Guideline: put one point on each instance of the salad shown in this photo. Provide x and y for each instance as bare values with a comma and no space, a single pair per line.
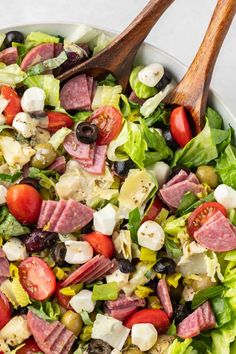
117,222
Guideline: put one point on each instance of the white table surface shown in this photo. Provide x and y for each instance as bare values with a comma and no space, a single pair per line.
179,32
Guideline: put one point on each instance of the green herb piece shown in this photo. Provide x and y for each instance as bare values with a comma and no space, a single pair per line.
134,224
206,294
187,200
10,178
221,310
172,248
46,310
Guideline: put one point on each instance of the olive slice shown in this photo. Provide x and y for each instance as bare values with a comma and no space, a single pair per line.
87,133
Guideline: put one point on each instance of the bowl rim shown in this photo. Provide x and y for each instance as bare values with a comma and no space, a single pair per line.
114,32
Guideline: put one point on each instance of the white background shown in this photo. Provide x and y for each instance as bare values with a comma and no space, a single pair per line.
179,32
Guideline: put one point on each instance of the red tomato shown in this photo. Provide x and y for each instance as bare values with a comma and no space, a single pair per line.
13,106
37,278
109,122
29,347
179,126
5,310
202,214
63,300
24,202
158,318
57,120
154,210
101,244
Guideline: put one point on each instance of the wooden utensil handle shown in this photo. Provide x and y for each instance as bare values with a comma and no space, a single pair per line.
202,66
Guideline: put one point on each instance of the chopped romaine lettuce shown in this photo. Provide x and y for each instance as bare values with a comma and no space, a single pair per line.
108,291
2,38
40,37
107,96
109,80
83,34
221,310
141,90
214,118
160,115
57,138
134,223
178,347
81,116
122,243
10,178
172,247
11,74
101,42
48,64
47,310
44,177
203,295
11,227
173,227
49,84
226,166
187,200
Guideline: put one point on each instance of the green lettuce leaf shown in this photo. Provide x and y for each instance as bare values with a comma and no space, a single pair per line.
85,318
40,37
10,178
2,38
214,118
11,74
226,166
141,90
108,291
184,347
47,178
57,138
48,64
221,310
203,295
46,310
134,224
173,227
187,200
208,198
107,96
11,227
109,80
101,42
49,84
160,115
81,116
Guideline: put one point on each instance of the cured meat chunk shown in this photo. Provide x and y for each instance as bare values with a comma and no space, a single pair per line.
98,166
37,55
9,55
217,234
56,214
4,267
59,165
75,94
200,320
46,213
164,296
77,149
75,216
123,307
52,338
180,177
90,86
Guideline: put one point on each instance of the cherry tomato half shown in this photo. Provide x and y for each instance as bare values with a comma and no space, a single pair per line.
109,122
179,126
29,347
101,244
5,310
58,120
63,300
158,318
154,210
202,214
37,278
13,106
24,202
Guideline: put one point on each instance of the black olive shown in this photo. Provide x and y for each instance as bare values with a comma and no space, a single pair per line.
31,182
58,252
170,140
181,311
165,266
125,266
98,346
87,229
165,80
87,133
152,284
21,90
38,240
38,114
13,36
20,311
122,168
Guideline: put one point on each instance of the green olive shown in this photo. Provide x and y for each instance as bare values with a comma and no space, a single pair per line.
44,157
133,350
72,321
207,174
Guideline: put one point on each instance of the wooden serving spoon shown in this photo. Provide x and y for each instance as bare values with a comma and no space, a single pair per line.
118,57
192,91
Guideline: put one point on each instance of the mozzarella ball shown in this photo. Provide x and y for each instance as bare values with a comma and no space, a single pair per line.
3,194
144,336
151,74
25,125
78,252
33,100
151,235
226,196
15,250
161,171
105,220
83,301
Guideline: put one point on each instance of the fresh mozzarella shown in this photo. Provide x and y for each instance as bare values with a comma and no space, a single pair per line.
105,220
226,196
78,252
151,74
144,336
83,301
25,125
15,249
33,100
161,171
110,331
120,278
151,235
3,194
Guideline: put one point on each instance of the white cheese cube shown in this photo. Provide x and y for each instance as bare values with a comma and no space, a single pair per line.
105,220
78,252
83,301
151,235
144,336
15,250
110,331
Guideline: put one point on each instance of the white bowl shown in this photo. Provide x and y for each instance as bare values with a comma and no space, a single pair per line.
146,55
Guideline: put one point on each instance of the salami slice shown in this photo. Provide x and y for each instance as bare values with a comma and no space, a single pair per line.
77,149
164,296
9,55
75,94
121,314
99,271
56,214
98,166
46,212
200,320
180,177
217,234
37,55
54,335
90,86
124,306
42,210
59,165
74,217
